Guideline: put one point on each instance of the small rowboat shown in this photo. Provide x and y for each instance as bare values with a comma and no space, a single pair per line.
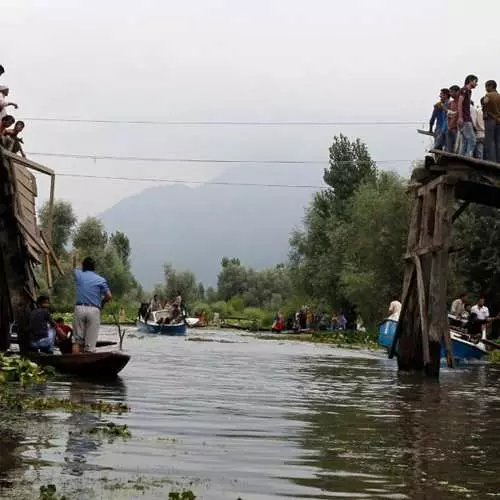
154,325
462,345
89,364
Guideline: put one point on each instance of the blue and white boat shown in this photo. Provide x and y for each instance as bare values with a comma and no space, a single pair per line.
155,324
463,348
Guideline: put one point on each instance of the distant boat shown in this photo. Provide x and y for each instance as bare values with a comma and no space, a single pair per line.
97,365
154,326
462,345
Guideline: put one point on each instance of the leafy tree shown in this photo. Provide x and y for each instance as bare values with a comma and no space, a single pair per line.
232,279
63,222
179,281
372,270
121,243
90,237
211,295
201,292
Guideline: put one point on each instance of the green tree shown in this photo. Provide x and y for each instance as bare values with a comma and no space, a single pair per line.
90,238
232,280
372,269
179,281
63,222
121,244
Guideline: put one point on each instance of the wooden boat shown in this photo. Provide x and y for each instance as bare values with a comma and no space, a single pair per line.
92,364
154,325
463,346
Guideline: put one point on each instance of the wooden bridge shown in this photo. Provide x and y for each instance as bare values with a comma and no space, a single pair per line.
442,190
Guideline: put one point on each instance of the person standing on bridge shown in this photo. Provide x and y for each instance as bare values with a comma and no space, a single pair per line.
92,292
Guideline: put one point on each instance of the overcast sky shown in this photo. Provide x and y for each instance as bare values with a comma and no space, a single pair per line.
213,60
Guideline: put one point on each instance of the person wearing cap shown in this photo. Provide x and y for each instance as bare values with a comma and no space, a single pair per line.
4,92
92,292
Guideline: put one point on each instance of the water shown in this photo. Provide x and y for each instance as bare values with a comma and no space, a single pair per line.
240,417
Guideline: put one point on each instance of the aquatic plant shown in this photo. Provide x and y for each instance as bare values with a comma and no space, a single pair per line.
17,369
111,430
494,357
183,495
25,402
49,492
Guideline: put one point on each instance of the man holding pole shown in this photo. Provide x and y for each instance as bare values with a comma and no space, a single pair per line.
92,292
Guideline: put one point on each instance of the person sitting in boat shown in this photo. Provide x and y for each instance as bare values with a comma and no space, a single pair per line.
458,306
42,327
279,323
155,304
63,336
394,309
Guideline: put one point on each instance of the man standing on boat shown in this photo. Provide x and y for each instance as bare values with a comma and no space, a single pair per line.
92,292
482,315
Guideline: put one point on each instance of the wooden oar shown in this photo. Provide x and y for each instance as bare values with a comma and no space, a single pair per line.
491,344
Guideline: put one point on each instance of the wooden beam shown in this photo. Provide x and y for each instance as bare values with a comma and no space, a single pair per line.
460,210
422,303
51,206
52,254
467,160
28,163
48,270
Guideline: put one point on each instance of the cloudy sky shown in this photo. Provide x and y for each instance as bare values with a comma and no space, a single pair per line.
230,60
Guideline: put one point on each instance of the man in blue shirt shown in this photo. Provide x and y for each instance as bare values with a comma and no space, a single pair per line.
92,292
439,116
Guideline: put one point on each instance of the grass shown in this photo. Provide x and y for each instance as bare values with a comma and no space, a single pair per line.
111,430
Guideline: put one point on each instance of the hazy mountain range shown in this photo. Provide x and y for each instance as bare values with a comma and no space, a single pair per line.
194,227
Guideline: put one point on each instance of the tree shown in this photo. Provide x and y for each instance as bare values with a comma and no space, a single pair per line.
179,281
372,268
90,237
201,292
350,165
63,222
121,243
232,280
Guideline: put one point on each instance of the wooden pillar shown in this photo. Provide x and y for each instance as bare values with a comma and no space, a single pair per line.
438,285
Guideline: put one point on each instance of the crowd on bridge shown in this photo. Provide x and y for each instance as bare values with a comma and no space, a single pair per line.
10,129
462,127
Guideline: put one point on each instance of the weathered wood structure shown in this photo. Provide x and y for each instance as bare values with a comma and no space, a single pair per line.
22,244
442,190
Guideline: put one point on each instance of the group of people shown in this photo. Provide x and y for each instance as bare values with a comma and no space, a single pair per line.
10,129
92,292
464,128
305,319
173,310
475,317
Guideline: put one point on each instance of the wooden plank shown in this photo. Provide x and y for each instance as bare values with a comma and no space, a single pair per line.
48,270
51,206
28,163
422,303
460,210
438,327
467,160
29,235
52,254
442,179
425,132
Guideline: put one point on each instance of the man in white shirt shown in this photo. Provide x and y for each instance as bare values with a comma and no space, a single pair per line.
482,314
394,309
458,306
478,124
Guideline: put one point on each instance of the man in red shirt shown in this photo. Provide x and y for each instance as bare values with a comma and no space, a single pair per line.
451,135
465,118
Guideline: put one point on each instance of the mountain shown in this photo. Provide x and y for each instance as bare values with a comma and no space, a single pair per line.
194,227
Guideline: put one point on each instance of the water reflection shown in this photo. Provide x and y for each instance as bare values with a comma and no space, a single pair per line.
81,445
372,433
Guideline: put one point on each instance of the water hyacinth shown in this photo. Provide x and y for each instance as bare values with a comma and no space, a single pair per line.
17,369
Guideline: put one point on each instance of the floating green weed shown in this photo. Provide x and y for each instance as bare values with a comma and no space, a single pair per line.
494,357
111,430
49,492
17,369
24,402
183,495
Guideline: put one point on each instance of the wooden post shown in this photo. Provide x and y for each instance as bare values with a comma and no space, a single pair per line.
51,207
438,286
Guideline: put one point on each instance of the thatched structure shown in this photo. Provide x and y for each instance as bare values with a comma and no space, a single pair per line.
446,180
22,243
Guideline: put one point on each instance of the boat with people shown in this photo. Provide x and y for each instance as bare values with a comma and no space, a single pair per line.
464,345
159,322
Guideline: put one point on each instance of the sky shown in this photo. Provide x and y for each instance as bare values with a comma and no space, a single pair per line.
230,60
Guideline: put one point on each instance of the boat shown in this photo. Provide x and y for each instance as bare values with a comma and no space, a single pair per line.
100,365
154,325
464,346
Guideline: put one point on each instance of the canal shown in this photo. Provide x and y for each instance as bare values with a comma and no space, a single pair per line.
229,416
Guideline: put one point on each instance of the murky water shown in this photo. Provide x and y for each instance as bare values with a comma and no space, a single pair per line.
238,417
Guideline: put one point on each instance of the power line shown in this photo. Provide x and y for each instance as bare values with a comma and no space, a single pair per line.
183,123
195,160
189,181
